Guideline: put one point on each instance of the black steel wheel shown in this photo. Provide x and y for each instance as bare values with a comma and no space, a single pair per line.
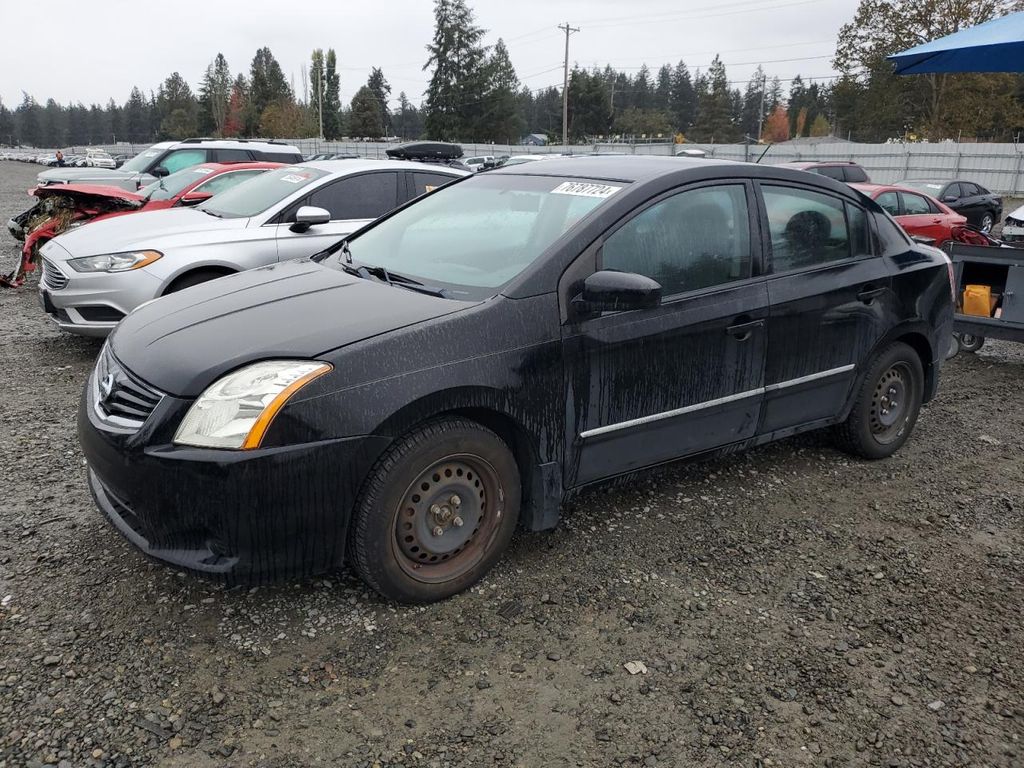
971,343
436,512
886,404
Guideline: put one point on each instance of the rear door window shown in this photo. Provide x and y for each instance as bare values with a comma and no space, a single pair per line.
368,196
180,159
807,228
915,205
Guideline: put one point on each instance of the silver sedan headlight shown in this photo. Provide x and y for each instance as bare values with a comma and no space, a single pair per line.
114,262
236,411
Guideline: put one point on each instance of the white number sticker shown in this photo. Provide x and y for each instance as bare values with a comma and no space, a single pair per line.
585,189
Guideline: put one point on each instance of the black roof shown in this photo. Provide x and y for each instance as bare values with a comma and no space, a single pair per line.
611,167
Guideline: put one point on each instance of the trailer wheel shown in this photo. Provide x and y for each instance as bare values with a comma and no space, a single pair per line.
971,343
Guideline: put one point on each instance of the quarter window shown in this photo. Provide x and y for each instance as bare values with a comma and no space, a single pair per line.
806,228
361,197
427,182
692,240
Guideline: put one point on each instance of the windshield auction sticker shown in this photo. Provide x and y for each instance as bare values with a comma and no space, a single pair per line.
584,189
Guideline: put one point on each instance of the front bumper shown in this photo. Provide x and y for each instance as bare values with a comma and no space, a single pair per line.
241,517
1012,233
92,303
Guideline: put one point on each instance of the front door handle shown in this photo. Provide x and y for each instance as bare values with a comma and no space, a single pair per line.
869,293
743,327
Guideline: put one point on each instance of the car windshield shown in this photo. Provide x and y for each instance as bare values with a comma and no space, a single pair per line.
169,186
928,187
472,237
141,161
261,193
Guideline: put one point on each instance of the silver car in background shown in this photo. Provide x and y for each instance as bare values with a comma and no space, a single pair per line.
96,274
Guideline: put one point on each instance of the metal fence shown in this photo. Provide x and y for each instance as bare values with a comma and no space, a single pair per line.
999,167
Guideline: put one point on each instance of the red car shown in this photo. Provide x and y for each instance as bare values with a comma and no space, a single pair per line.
63,206
919,215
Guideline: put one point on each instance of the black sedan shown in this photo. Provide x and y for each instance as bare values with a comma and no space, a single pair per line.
406,399
981,207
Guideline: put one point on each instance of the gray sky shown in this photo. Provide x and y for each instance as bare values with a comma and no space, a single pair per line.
98,52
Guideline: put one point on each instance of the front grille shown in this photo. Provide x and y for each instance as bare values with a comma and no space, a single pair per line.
53,278
120,396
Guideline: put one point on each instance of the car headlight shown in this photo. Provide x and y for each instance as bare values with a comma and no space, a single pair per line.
236,410
114,262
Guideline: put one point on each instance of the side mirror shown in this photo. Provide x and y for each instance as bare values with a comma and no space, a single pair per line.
309,216
194,198
949,198
612,291
160,172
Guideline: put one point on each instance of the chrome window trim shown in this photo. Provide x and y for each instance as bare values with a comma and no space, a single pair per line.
598,431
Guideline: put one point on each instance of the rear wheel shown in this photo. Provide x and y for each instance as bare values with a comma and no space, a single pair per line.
987,222
436,512
888,401
194,278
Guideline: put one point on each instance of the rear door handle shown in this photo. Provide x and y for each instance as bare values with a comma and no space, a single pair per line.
869,293
742,329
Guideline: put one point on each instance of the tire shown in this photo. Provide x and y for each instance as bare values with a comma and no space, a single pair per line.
436,512
987,222
971,343
194,278
877,426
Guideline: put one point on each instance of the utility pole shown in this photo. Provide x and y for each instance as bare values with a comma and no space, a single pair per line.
565,83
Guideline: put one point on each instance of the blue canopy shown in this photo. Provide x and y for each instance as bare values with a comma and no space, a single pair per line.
995,46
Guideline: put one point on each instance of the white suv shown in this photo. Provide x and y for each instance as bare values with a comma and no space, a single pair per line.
169,157
97,158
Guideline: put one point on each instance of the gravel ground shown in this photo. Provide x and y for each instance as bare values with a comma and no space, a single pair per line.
787,606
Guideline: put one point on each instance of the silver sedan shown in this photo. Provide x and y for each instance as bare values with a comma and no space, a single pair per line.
94,275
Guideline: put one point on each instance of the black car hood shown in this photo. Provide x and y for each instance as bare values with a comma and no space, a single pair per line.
181,343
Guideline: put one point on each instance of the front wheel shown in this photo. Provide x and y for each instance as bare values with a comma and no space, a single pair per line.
436,512
887,404
987,222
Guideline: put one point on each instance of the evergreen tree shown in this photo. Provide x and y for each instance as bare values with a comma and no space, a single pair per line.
501,120
663,88
214,93
267,85
179,110
54,132
683,99
754,99
332,98
365,119
408,121
78,124
715,108
317,87
28,120
457,59
115,119
380,87
136,118
643,90
6,125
